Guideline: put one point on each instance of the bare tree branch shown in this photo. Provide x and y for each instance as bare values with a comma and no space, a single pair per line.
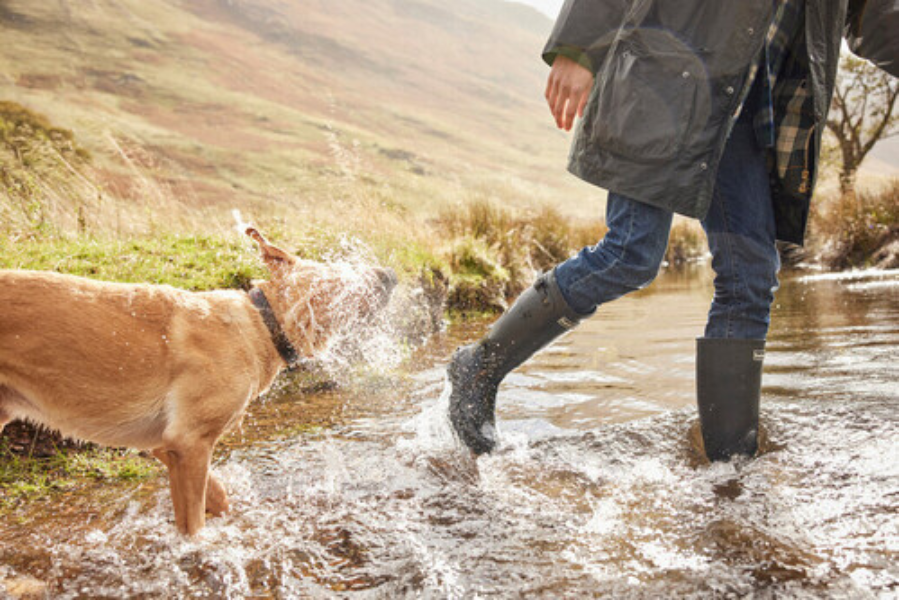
863,111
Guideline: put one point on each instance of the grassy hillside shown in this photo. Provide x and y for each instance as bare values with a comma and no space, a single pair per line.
368,112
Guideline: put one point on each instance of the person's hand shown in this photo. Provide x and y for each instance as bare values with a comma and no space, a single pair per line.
568,88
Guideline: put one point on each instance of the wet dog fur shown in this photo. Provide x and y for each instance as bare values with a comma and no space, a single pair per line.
162,369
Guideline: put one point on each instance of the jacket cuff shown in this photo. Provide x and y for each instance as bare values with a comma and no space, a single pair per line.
571,52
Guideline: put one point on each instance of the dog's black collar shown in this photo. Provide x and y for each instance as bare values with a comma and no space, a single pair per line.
282,344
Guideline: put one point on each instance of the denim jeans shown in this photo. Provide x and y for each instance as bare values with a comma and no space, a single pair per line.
740,229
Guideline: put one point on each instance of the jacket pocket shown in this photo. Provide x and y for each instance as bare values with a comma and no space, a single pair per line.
649,96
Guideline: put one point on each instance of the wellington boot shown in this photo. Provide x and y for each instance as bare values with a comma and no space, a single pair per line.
538,316
729,376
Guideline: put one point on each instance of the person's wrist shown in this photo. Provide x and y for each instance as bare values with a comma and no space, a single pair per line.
574,54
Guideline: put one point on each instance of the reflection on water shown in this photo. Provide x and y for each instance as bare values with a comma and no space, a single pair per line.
597,489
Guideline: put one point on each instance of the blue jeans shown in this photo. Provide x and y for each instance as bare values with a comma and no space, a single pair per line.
740,228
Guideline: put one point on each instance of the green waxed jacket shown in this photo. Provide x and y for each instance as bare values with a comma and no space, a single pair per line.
668,76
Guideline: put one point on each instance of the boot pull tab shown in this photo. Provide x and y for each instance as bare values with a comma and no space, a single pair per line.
567,323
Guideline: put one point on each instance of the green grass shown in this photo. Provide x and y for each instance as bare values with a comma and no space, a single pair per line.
189,262
23,478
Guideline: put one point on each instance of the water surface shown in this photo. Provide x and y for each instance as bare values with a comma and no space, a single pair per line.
597,490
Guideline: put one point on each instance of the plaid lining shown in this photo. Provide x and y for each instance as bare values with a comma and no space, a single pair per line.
784,118
779,38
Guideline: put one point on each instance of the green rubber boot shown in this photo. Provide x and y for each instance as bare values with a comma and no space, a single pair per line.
538,316
729,377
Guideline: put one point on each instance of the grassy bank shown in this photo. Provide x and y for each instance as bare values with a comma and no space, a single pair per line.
36,464
856,230
493,253
189,262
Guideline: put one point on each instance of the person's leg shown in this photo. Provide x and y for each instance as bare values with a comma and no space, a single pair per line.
627,259
740,228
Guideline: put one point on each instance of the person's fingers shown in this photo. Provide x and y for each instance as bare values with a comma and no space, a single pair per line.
567,92
559,106
571,108
558,109
552,92
583,102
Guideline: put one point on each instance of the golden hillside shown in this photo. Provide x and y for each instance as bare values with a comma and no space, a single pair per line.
301,108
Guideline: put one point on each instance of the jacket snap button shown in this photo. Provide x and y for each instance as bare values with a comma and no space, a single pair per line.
685,75
703,166
750,31
729,90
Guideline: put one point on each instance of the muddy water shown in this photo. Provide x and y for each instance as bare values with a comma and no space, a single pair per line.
598,488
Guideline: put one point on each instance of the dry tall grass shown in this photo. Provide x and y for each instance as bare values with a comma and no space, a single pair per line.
687,242
856,230
495,252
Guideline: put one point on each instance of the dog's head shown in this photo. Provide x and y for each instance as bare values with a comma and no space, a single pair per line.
316,301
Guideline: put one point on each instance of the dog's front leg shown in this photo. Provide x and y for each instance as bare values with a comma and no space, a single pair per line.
216,495
188,465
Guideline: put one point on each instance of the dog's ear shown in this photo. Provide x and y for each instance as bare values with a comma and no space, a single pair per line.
273,256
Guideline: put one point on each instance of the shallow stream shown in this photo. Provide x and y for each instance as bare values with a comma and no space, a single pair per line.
598,488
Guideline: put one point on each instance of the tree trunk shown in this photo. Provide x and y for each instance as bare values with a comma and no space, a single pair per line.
848,181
